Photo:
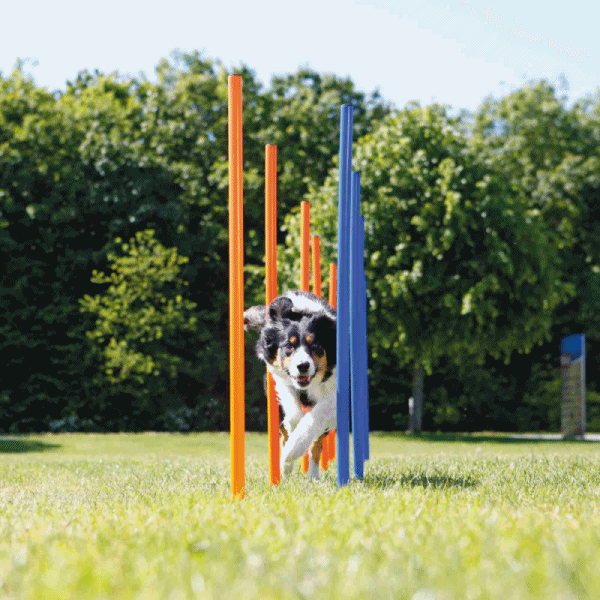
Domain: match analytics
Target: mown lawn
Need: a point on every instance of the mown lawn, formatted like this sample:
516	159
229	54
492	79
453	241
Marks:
150	516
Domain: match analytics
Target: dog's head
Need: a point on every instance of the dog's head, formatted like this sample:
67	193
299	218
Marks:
299	344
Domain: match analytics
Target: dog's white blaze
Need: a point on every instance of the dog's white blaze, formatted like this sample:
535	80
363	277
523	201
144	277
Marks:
299	357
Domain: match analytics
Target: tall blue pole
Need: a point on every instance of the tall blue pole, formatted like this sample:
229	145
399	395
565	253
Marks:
343	305
363	331
356	337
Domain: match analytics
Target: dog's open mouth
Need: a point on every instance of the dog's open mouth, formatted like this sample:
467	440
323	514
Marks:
302	380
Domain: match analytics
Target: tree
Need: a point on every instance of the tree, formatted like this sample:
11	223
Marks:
70	176
35	347
457	267
139	319
548	155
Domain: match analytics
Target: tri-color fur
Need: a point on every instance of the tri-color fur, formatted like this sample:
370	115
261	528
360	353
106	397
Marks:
297	343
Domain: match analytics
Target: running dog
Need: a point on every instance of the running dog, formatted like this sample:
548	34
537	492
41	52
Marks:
297	342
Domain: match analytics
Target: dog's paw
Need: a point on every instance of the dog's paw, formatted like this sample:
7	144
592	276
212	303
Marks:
313	471
286	468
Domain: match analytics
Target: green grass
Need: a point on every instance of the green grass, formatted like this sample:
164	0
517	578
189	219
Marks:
150	516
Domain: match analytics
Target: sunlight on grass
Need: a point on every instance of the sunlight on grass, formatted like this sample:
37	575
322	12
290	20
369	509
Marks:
150	516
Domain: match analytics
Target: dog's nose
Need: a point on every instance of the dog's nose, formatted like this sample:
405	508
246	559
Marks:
303	367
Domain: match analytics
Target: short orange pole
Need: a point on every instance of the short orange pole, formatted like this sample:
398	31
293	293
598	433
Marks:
333	285
330	440
270	295
236	288
305	272
316	265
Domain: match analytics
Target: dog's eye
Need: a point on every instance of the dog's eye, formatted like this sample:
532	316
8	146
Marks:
289	346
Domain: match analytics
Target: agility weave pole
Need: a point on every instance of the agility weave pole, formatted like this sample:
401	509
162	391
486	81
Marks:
343	300
307	243
318	291
333	302
270	295
358	346
352	357
305	271
237	389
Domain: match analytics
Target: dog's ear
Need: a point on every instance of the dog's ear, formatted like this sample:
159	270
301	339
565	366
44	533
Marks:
255	317
324	325
268	343
280	308
325	330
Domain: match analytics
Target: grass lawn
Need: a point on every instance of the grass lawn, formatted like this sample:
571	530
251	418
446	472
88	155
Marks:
150	516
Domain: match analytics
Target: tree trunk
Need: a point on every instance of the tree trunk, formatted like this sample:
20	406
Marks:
415	404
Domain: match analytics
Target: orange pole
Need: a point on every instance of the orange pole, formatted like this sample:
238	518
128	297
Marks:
333	285
305	248
316	268
305	272
330	440
236	288
316	265
270	295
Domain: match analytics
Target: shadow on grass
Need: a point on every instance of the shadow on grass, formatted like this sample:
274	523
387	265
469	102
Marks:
19	446
382	481
478	438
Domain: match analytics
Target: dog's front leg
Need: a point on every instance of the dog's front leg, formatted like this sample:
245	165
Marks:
288	425
299	441
314	454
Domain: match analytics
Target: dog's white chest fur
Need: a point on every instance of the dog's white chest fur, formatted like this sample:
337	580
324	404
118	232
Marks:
321	394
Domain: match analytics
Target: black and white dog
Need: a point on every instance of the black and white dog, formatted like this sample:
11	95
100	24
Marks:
297	343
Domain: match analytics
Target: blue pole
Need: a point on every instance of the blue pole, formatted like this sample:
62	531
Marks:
356	337
343	307
364	334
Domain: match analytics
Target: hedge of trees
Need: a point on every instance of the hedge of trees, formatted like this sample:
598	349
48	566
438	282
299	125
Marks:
483	245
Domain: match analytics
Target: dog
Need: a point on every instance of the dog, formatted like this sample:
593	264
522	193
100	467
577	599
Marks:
297	342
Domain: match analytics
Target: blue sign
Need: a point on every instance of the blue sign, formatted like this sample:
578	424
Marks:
573	345
572	362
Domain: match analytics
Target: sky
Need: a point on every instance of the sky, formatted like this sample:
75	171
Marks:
455	53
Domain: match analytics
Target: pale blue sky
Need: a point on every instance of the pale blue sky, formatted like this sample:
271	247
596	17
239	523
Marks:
453	52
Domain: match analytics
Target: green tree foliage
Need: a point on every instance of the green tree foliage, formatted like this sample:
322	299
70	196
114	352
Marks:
457	267
141	308
37	267
464	232
548	154
112	156
70	176
139	320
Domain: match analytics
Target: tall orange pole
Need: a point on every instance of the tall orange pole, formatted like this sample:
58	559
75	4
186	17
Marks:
271	294
305	248
236	288
305	272
317	290
330	440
